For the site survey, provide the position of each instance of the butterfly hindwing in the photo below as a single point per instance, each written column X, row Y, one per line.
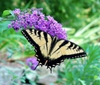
column 51, row 51
column 65, row 49
column 70, row 49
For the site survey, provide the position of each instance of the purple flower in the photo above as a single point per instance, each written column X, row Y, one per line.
column 32, row 62
column 34, row 18
column 16, row 12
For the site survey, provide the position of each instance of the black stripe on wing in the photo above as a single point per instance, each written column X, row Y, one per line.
column 27, row 36
column 71, row 45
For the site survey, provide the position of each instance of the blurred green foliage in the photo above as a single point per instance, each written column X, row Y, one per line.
column 81, row 20
column 82, row 71
column 71, row 13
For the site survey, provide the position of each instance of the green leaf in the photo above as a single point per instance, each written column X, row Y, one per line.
column 82, row 82
column 11, row 12
column 6, row 13
column 96, row 82
column 14, row 83
column 22, row 79
column 3, row 25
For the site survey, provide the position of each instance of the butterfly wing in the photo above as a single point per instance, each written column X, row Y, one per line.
column 51, row 51
column 41, row 41
column 65, row 49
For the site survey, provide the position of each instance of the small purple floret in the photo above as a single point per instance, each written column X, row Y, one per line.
column 16, row 11
column 32, row 62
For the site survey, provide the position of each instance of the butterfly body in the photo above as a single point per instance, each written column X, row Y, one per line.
column 51, row 51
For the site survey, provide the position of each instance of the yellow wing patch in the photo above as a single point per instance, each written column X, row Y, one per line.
column 36, row 38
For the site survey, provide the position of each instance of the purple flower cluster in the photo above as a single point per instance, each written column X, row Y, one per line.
column 32, row 62
column 34, row 18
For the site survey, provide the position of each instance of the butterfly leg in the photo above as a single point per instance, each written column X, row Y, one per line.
column 46, row 62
